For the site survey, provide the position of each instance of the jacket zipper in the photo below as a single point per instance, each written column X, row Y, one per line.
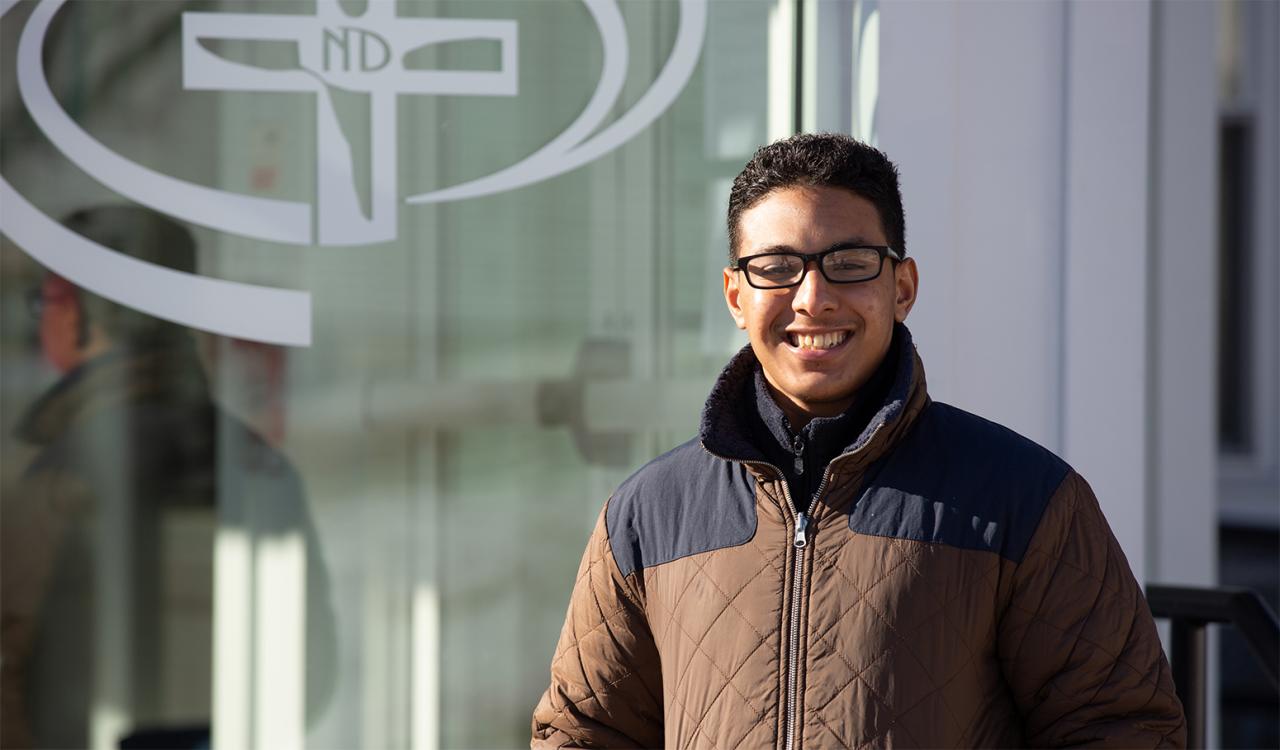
column 800, row 542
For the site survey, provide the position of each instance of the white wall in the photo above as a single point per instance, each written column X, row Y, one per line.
column 971, row 108
column 1060, row 208
column 1183, row 429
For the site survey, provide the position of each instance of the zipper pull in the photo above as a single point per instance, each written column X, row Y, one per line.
column 802, row 523
column 797, row 448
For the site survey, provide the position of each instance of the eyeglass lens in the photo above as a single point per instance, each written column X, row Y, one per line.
column 844, row 265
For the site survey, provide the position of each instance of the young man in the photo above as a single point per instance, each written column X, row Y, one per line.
column 838, row 560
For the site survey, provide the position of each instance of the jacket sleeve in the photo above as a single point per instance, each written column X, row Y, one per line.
column 606, row 684
column 1077, row 643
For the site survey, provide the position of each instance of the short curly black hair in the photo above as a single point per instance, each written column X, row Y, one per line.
column 826, row 160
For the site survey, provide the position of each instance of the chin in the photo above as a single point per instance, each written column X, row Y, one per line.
column 827, row 397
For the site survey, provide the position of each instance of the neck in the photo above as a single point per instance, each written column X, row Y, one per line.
column 800, row 415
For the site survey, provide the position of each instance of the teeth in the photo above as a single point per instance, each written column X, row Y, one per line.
column 818, row 341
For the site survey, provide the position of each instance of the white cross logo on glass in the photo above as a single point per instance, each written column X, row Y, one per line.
column 367, row 58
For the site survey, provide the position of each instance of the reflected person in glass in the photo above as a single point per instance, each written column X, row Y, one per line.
column 108, row 537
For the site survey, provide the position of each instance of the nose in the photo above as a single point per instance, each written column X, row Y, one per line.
column 814, row 294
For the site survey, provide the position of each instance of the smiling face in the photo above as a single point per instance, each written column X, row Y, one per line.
column 818, row 342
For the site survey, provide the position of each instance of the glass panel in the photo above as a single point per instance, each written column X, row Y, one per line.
column 367, row 541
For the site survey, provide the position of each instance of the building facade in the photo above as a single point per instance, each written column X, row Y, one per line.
column 458, row 266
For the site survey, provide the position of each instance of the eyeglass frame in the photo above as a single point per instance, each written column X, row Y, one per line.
column 884, row 251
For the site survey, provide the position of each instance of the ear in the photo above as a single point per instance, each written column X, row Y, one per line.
column 731, row 289
column 906, row 280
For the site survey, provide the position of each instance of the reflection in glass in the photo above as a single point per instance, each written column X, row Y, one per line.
column 108, row 573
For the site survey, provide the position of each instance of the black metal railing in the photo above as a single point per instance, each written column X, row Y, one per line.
column 1190, row 611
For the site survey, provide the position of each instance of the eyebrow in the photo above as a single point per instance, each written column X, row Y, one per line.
column 854, row 242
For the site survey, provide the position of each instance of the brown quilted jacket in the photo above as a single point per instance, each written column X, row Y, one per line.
column 954, row 585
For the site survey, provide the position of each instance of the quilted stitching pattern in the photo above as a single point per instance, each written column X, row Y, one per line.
column 905, row 643
column 900, row 647
column 892, row 648
column 715, row 618
column 604, row 666
column 1072, row 635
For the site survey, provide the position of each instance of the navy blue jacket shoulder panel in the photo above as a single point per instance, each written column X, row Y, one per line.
column 681, row 503
column 960, row 480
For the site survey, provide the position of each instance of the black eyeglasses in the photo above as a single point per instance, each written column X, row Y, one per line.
column 840, row 265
